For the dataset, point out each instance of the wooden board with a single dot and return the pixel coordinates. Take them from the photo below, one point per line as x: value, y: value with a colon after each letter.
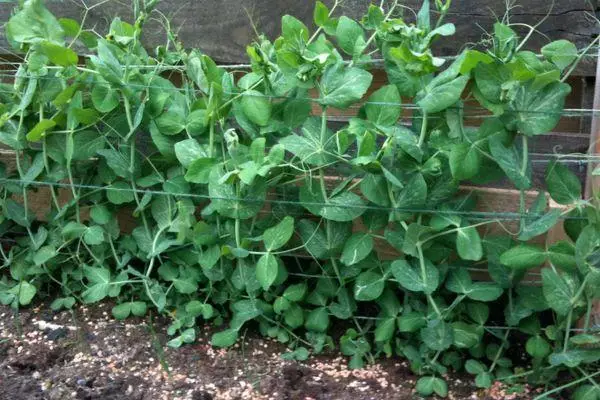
x: 223, y: 28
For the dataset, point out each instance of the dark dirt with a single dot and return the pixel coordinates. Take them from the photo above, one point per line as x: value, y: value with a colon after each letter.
x: 86, y: 354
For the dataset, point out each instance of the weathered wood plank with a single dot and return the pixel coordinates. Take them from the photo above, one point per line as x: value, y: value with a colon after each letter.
x: 223, y: 29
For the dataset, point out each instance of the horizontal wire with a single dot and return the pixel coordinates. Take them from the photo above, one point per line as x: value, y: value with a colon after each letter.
x: 568, y: 112
x: 470, y: 214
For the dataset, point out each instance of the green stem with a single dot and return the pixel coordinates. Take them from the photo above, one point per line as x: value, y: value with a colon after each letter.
x: 211, y: 140
x: 522, y: 194
x: 238, y: 241
x: 499, y: 352
x: 568, y: 330
x: 430, y: 298
x: 566, y: 386
x: 424, y: 124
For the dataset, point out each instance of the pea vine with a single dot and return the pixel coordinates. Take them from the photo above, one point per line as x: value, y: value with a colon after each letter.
x: 250, y: 208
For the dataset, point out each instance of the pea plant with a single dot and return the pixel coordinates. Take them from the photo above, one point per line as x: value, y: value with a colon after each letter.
x: 232, y: 198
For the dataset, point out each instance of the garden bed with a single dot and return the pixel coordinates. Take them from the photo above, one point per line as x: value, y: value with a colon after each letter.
x: 86, y: 354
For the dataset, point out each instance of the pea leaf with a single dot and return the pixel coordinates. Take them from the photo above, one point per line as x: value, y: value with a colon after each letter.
x: 558, y: 291
x: 341, y: 86
x: 428, y: 385
x: 277, y: 236
x: 266, y: 270
x: 536, y: 111
x: 350, y: 36
x: 561, y: 52
x: 257, y: 107
x: 415, y: 279
x: 225, y: 338
x: 564, y: 187
x: 39, y: 130
x: 438, y: 335
x: 368, y: 286
x: 468, y: 244
x: 383, y: 106
x: 357, y: 248
x: 440, y: 97
x: 511, y: 162
x: 524, y: 256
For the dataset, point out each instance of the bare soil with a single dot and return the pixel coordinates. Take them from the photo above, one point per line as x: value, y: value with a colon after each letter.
x: 86, y: 354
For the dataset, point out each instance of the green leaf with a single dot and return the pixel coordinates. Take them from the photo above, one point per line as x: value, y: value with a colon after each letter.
x: 94, y: 235
x: 39, y: 130
x: 383, y: 106
x: 413, y: 279
x: 484, y: 291
x: 341, y: 86
x: 299, y: 354
x: 368, y: 286
x: 266, y: 270
x: 311, y: 147
x: 465, y: 160
x: 350, y: 36
x: 34, y: 23
x: 277, y: 236
x: 58, y: 54
x: 466, y: 336
x: 537, y: 347
x: 540, y: 225
x: 385, y: 330
x: 292, y: 29
x: 438, y: 335
x: 24, y: 292
x: 317, y: 320
x: 483, y: 380
x: 100, y: 214
x: 357, y: 248
x: 104, y: 97
x: 411, y: 322
x: 573, y: 358
x: 120, y: 193
x: 441, y: 97
x: 413, y: 195
x: 257, y: 107
x: 557, y: 291
x: 564, y: 187
x: 524, y: 256
x: 562, y: 255
x: 475, y: 367
x: 225, y: 338
x: 428, y: 385
x: 199, y: 170
x: 561, y: 52
x: 321, y: 14
x: 468, y: 244
x: 536, y: 111
x: 44, y: 255
x: 295, y: 292
x: 587, y: 392
x: 510, y: 160
x: 121, y: 311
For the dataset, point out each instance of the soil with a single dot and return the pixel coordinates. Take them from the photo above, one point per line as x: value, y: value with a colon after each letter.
x: 86, y: 354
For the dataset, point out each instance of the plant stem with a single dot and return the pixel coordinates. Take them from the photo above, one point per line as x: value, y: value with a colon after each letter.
x: 568, y: 331
x: 211, y: 140
x: 522, y: 194
x: 430, y: 298
x: 499, y: 352
x: 423, y: 135
x: 566, y: 386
